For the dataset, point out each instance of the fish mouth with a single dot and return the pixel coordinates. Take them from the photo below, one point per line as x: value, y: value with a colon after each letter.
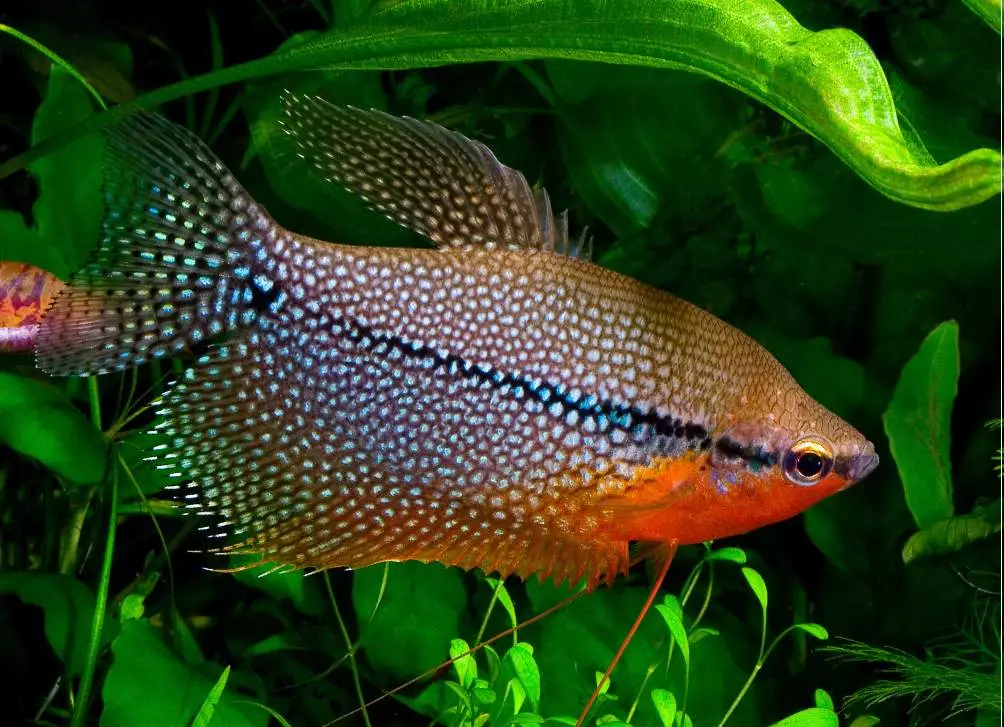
x: 863, y: 463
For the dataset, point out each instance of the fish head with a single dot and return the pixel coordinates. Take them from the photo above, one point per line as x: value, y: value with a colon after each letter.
x: 776, y: 458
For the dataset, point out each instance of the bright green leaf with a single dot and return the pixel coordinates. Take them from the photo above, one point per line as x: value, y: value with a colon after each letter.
x: 823, y: 700
x: 463, y: 663
x: 208, y: 708
x: 812, y: 717
x: 68, y: 608
x: 731, y: 554
x: 665, y: 706
x: 989, y: 12
x: 918, y: 424
x: 955, y: 533
x: 38, y: 420
x: 759, y: 587
x: 524, y: 667
x: 504, y: 598
x: 672, y: 614
x: 829, y: 83
x: 814, y: 630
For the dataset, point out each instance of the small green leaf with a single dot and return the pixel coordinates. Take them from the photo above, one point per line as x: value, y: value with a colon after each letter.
x: 504, y: 598
x: 38, y: 420
x: 605, y: 686
x: 759, y: 587
x: 731, y: 554
x: 701, y: 633
x: 814, y: 630
x: 520, y: 659
x: 866, y: 720
x: 132, y: 607
x: 68, y: 607
x: 463, y: 663
x: 918, y: 424
x: 812, y: 717
x: 672, y: 614
x: 954, y: 533
x: 665, y: 706
x: 205, y: 713
x: 484, y: 695
x: 823, y: 699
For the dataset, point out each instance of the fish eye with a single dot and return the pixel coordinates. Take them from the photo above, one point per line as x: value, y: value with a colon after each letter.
x: 808, y: 461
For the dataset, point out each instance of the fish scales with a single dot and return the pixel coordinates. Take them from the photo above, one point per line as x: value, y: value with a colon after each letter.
x: 496, y: 402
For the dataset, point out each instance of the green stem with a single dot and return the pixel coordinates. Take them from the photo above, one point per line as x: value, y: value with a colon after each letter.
x: 54, y: 58
x: 100, y: 604
x: 764, y: 655
x: 351, y: 650
x: 488, y: 612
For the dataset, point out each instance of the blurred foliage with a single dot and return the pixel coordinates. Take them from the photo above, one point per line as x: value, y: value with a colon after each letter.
x: 722, y: 195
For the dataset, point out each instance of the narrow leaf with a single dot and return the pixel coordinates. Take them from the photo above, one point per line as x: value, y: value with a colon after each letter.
x: 672, y: 614
x: 955, y: 533
x: 464, y: 664
x: 205, y: 713
x: 814, y: 630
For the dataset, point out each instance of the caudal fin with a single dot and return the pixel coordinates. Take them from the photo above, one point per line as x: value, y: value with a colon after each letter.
x: 181, y: 258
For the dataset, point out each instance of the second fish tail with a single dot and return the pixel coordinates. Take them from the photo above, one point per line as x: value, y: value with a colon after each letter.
x: 184, y: 257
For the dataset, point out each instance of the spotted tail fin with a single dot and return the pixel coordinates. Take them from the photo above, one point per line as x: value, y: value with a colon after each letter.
x: 178, y: 263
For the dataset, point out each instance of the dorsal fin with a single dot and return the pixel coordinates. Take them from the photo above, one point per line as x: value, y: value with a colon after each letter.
x: 424, y: 177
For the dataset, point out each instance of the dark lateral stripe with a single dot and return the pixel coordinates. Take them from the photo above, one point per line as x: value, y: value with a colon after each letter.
x: 732, y: 448
x: 605, y: 412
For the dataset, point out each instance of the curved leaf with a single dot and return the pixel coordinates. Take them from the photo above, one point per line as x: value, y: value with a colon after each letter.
x: 829, y: 83
x: 812, y: 717
x: 38, y: 420
x: 918, y: 423
x: 759, y: 587
x: 989, y: 12
x: 954, y: 533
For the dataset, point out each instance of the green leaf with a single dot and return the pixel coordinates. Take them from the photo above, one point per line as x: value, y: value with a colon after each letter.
x: 665, y: 706
x: 149, y: 685
x: 69, y: 207
x: 955, y: 533
x: 812, y: 717
x: 759, y: 587
x: 504, y: 598
x: 282, y: 582
x: 829, y: 83
x: 38, y: 420
x: 989, y: 12
x: 417, y: 617
x: 463, y: 664
x: 816, y: 631
x: 68, y: 608
x: 205, y: 713
x: 918, y: 424
x: 520, y: 659
x: 731, y: 554
x: 823, y: 699
x: 672, y: 614
x: 866, y: 720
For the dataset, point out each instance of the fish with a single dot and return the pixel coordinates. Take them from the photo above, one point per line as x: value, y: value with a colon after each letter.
x: 26, y: 292
x: 495, y: 400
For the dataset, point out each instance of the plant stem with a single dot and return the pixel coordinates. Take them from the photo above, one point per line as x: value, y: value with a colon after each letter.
x: 55, y: 60
x: 100, y: 604
x: 488, y: 612
x: 351, y: 649
x: 764, y: 655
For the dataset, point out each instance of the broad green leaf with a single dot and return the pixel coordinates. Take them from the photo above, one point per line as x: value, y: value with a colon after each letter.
x: 672, y: 614
x: 812, y: 717
x: 38, y: 420
x: 68, y: 608
x: 463, y: 664
x: 918, y: 424
x: 731, y: 554
x: 814, y: 630
x: 208, y: 708
x: 955, y: 533
x: 416, y: 619
x: 69, y: 207
x: 148, y: 684
x: 759, y: 587
x: 296, y: 586
x: 824, y: 700
x: 829, y: 83
x: 665, y: 706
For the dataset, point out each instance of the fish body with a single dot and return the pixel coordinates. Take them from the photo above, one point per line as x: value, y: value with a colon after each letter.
x: 497, y: 402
